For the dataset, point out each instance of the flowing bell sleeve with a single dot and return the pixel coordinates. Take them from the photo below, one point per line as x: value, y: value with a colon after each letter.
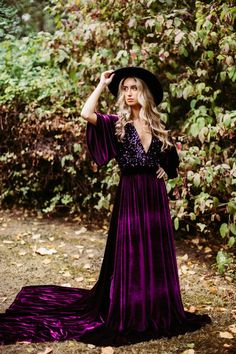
x: 101, y: 139
x: 169, y: 161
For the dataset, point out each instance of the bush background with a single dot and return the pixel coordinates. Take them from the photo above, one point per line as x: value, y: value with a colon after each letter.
x: 52, y: 54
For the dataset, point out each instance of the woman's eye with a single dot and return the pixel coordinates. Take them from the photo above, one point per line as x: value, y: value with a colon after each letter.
x: 132, y: 88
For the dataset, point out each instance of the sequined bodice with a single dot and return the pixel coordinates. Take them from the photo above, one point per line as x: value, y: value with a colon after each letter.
x: 104, y: 144
x: 131, y: 152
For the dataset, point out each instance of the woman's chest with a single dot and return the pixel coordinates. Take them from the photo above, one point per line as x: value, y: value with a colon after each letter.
x: 144, y: 149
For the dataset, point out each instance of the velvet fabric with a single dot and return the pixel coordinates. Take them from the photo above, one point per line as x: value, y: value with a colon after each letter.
x: 137, y: 295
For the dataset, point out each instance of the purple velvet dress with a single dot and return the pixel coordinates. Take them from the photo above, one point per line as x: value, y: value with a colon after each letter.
x: 137, y: 295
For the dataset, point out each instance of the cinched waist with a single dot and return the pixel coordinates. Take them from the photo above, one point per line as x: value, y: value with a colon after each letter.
x: 138, y: 170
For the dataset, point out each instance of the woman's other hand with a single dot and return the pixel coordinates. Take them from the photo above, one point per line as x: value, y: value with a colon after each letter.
x: 161, y: 173
x: 106, y: 77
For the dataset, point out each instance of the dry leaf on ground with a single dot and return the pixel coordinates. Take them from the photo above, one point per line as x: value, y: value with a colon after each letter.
x: 188, y: 351
x: 226, y: 335
x: 45, y: 251
x: 107, y: 350
x: 185, y: 257
x: 46, y: 351
x: 82, y: 230
x: 232, y: 328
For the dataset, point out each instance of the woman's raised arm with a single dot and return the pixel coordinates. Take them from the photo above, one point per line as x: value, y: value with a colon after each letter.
x: 88, y: 110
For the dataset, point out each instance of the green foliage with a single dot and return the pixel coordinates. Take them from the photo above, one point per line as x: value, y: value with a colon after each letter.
x: 45, y: 79
x: 21, y: 17
x: 223, y: 259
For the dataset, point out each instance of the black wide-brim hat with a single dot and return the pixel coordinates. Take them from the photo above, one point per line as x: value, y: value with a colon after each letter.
x: 135, y: 71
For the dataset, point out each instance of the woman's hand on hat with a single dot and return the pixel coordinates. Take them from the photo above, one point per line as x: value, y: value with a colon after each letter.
x: 161, y: 173
x: 106, y: 77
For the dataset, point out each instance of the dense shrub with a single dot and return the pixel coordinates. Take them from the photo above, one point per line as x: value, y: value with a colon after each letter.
x: 45, y: 79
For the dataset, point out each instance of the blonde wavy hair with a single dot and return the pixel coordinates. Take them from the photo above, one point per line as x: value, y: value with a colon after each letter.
x: 148, y: 113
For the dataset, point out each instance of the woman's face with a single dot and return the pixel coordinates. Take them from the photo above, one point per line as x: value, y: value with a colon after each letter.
x: 130, y: 90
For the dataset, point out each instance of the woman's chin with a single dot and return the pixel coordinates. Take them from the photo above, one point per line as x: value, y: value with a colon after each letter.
x: 131, y: 103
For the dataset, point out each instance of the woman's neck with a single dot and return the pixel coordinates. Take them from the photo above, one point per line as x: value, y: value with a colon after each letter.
x: 135, y: 113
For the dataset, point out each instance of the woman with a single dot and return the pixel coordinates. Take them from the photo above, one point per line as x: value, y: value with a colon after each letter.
x: 137, y: 295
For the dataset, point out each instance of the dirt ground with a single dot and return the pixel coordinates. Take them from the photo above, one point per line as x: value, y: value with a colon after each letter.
x: 36, y: 250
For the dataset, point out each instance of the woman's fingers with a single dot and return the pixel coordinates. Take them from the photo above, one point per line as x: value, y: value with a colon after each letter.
x: 108, y: 72
x: 160, y: 172
x: 107, y: 76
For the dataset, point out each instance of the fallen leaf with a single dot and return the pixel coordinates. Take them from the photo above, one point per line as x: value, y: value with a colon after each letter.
x: 213, y: 290
x: 228, y: 278
x: 190, y: 345
x: 35, y: 236
x: 66, y: 274
x: 91, y: 346
x: 46, y: 261
x: 46, y: 351
x: 195, y: 241
x: 77, y: 218
x: 232, y: 328
x: 184, y: 258
x: 45, y: 251
x: 184, y: 269
x: 227, y: 335
x: 92, y: 279
x: 227, y: 345
x: 82, y: 230
x: 87, y: 266
x: 192, y: 309
x: 76, y: 256
x: 207, y: 250
x: 62, y: 244
x: 222, y: 309
x: 81, y: 248
x: 22, y: 253
x: 188, y: 351
x: 19, y: 265
x: 79, y: 279
x: 107, y: 350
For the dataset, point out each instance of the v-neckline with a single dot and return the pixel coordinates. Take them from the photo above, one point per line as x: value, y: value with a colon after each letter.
x: 140, y: 142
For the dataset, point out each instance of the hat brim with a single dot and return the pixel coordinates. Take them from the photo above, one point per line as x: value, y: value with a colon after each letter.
x: 149, y: 78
